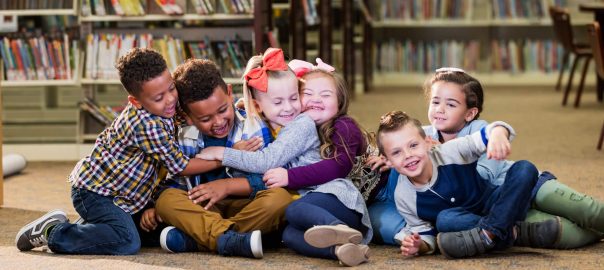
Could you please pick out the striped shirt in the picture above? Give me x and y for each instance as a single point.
(127, 156)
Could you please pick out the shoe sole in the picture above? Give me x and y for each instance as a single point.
(323, 236)
(352, 254)
(31, 224)
(256, 244)
(163, 236)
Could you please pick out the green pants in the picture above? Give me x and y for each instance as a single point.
(582, 216)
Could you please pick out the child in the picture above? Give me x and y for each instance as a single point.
(116, 180)
(215, 226)
(325, 99)
(444, 178)
(456, 101)
(277, 99)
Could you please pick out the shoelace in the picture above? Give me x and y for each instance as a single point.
(39, 241)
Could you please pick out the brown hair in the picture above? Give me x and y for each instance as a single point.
(469, 85)
(138, 66)
(394, 121)
(326, 130)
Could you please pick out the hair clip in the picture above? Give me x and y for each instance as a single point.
(450, 69)
(301, 67)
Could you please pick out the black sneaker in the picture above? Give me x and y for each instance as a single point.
(544, 234)
(176, 241)
(33, 235)
(232, 243)
(463, 244)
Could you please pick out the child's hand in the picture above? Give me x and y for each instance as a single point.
(377, 162)
(211, 153)
(212, 192)
(499, 147)
(251, 145)
(411, 245)
(432, 141)
(275, 178)
(149, 220)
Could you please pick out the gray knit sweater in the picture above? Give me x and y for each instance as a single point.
(297, 145)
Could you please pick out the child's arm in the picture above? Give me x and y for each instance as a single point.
(295, 139)
(347, 139)
(406, 203)
(413, 245)
(494, 139)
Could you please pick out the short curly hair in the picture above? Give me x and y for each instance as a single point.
(196, 79)
(138, 66)
(394, 121)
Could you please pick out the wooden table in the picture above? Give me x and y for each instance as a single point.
(598, 9)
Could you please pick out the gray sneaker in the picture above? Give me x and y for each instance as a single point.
(544, 234)
(462, 244)
(352, 254)
(33, 235)
(323, 236)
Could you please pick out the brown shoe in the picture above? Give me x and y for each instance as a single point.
(323, 236)
(352, 254)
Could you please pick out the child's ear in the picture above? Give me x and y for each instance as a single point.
(471, 113)
(134, 102)
(388, 163)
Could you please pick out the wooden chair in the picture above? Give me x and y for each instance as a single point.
(564, 33)
(597, 45)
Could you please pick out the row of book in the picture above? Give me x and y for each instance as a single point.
(170, 7)
(38, 58)
(103, 50)
(35, 4)
(526, 55)
(511, 9)
(505, 55)
(422, 9)
(426, 56)
(102, 113)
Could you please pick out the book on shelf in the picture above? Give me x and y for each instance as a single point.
(38, 58)
(169, 7)
(423, 10)
(35, 4)
(525, 55)
(103, 113)
(426, 56)
(103, 50)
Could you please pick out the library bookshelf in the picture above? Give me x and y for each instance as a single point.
(503, 43)
(53, 105)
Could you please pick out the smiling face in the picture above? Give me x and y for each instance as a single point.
(281, 103)
(319, 97)
(448, 111)
(215, 115)
(407, 152)
(158, 96)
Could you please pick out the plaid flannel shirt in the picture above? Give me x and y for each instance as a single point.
(127, 157)
(191, 142)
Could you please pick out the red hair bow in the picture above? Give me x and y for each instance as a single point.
(271, 60)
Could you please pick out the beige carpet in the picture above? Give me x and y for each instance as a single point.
(559, 139)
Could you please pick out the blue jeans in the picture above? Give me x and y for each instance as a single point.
(385, 218)
(506, 205)
(109, 229)
(386, 222)
(317, 209)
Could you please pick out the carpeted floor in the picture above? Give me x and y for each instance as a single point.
(559, 139)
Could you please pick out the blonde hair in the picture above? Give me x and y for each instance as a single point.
(248, 91)
(326, 130)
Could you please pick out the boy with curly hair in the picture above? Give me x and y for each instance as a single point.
(117, 179)
(220, 210)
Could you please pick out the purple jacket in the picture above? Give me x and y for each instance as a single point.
(349, 143)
